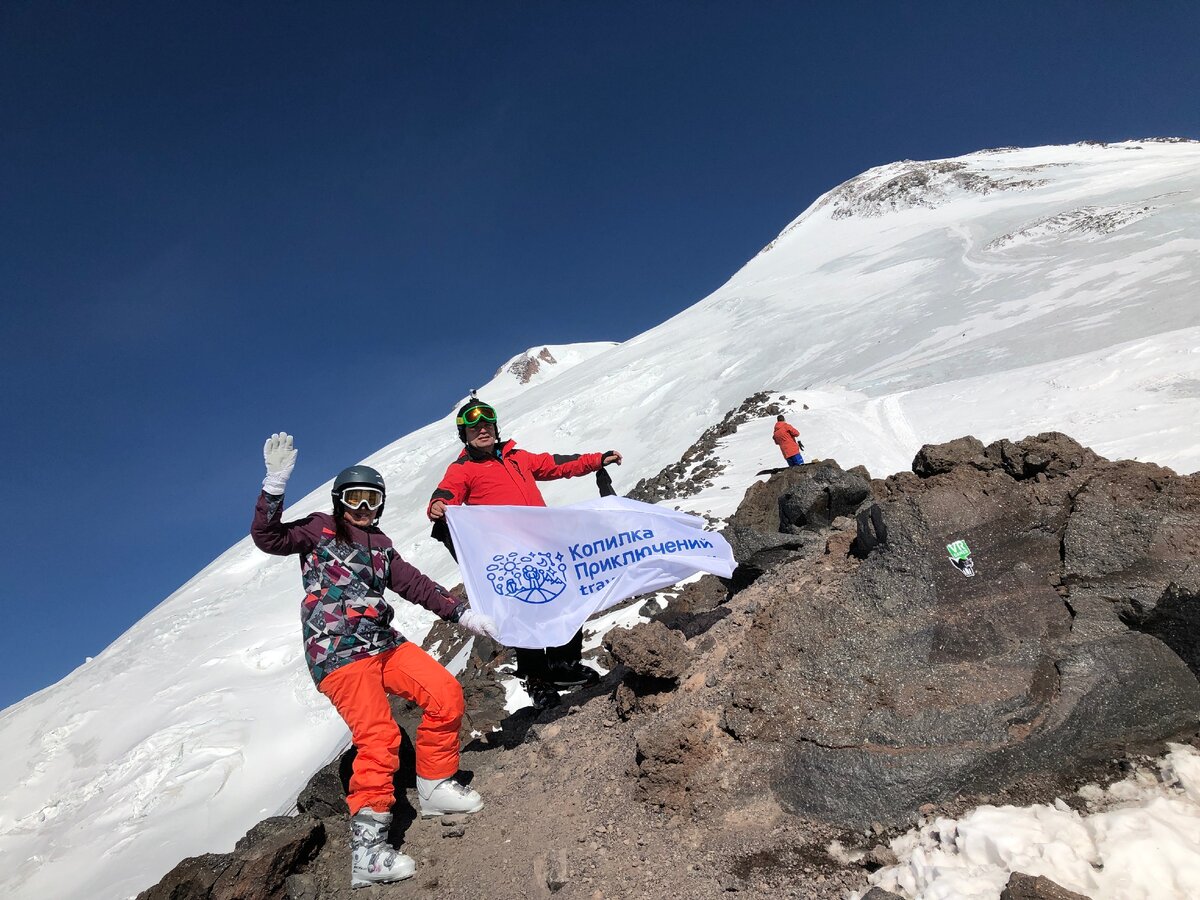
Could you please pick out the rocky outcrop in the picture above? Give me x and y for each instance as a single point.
(911, 184)
(528, 364)
(1028, 887)
(257, 869)
(876, 685)
(786, 517)
(698, 466)
(655, 659)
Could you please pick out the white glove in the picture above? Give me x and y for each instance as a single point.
(280, 457)
(478, 623)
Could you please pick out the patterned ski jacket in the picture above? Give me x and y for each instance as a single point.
(508, 477)
(785, 436)
(344, 614)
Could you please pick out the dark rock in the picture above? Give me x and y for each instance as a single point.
(751, 547)
(878, 893)
(870, 531)
(650, 608)
(1131, 540)
(257, 869)
(653, 658)
(551, 871)
(759, 509)
(325, 794)
(1051, 454)
(779, 520)
(758, 553)
(191, 879)
(822, 494)
(1175, 620)
(302, 887)
(938, 459)
(650, 649)
(697, 608)
(1129, 544)
(895, 682)
(1028, 887)
(813, 495)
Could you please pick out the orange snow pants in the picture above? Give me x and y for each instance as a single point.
(359, 692)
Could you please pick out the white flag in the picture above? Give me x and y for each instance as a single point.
(539, 572)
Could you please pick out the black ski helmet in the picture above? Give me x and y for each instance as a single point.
(471, 404)
(357, 476)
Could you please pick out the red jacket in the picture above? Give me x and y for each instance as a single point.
(508, 480)
(785, 436)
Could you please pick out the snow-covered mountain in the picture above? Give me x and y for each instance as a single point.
(1000, 294)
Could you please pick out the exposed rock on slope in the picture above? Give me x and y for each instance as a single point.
(910, 184)
(898, 681)
(525, 366)
(764, 735)
(698, 466)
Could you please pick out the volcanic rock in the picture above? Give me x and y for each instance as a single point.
(257, 869)
(897, 681)
(1027, 887)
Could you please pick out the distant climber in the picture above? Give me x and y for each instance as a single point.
(788, 439)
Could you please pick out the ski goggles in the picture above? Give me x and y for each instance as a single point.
(358, 497)
(477, 414)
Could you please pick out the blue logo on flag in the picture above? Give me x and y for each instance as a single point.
(533, 577)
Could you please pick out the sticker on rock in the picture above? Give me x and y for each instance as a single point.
(960, 558)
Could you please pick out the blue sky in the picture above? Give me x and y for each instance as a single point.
(222, 219)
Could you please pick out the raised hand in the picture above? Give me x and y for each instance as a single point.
(279, 454)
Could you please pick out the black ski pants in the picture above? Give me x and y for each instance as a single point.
(534, 663)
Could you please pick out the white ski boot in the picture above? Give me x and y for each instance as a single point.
(372, 859)
(445, 796)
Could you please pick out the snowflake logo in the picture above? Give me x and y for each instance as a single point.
(532, 577)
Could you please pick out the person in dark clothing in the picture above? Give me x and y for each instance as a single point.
(491, 472)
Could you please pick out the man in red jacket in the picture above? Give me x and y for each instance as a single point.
(491, 473)
(787, 438)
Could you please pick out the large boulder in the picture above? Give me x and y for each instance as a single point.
(784, 518)
(938, 459)
(894, 681)
(257, 869)
(649, 649)
(826, 494)
(1049, 454)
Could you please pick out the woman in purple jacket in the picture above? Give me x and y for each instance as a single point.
(356, 658)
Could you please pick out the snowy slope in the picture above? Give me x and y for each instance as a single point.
(999, 294)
